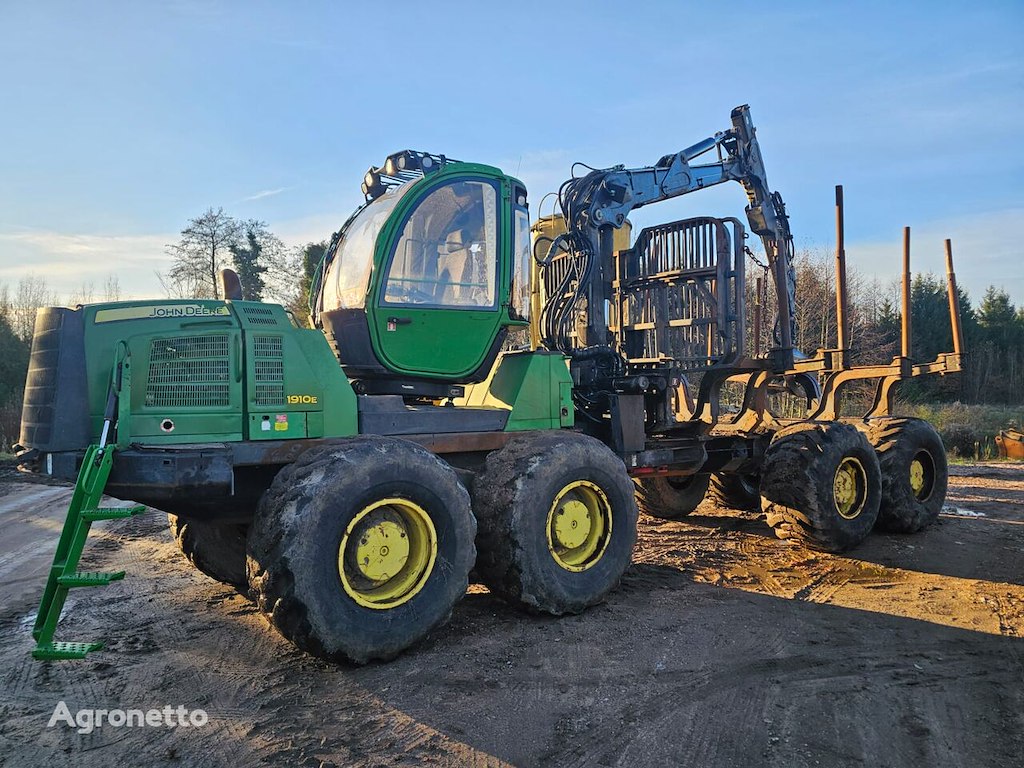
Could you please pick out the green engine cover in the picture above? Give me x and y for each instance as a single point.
(215, 371)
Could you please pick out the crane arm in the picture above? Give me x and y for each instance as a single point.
(600, 200)
(612, 193)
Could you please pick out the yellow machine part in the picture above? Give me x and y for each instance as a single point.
(543, 232)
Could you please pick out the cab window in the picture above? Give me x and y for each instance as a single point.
(447, 253)
(521, 267)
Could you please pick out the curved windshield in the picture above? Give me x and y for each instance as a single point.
(348, 275)
(447, 254)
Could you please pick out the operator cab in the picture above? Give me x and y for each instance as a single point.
(418, 289)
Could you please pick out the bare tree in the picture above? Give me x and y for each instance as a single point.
(111, 288)
(85, 294)
(6, 308)
(198, 256)
(32, 294)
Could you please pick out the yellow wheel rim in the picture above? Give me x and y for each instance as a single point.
(850, 488)
(579, 525)
(387, 553)
(922, 475)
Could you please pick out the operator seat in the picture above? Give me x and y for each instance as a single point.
(454, 268)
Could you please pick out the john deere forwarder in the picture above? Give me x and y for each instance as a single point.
(354, 500)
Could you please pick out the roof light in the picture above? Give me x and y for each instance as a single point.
(372, 186)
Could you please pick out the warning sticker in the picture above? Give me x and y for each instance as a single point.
(281, 422)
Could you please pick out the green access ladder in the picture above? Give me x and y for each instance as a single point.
(64, 576)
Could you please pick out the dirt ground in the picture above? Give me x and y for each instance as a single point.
(724, 646)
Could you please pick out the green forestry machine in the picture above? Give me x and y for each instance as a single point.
(478, 396)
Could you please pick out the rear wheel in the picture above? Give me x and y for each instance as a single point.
(218, 550)
(736, 491)
(821, 485)
(362, 548)
(670, 498)
(914, 473)
(557, 521)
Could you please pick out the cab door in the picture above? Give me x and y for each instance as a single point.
(439, 301)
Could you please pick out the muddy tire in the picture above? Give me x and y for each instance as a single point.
(735, 491)
(557, 521)
(914, 470)
(821, 485)
(670, 498)
(360, 549)
(218, 550)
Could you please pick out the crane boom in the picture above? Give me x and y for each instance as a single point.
(600, 201)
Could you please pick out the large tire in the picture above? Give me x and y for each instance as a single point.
(360, 549)
(915, 473)
(736, 491)
(821, 485)
(670, 498)
(218, 550)
(557, 521)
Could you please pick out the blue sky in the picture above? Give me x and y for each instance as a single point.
(122, 120)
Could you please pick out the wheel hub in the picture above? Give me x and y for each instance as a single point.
(922, 475)
(579, 525)
(916, 476)
(850, 488)
(572, 524)
(387, 553)
(382, 551)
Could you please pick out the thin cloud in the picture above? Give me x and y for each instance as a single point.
(265, 193)
(68, 260)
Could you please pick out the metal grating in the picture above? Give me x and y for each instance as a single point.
(267, 346)
(269, 394)
(189, 347)
(268, 368)
(189, 372)
(259, 315)
(187, 395)
(678, 296)
(185, 371)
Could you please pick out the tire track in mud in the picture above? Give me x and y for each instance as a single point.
(754, 563)
(672, 670)
(172, 633)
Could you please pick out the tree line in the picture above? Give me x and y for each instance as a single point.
(271, 271)
(993, 329)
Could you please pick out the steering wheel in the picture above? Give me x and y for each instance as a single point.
(409, 294)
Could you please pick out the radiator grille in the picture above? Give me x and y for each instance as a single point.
(187, 395)
(268, 365)
(189, 348)
(189, 372)
(267, 346)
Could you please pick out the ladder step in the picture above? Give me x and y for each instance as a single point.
(62, 650)
(89, 579)
(111, 513)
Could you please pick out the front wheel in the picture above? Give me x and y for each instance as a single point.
(821, 485)
(557, 521)
(360, 549)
